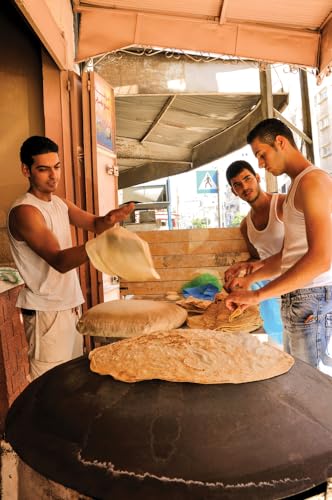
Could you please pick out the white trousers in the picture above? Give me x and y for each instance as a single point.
(52, 339)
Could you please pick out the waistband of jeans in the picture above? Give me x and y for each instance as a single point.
(326, 291)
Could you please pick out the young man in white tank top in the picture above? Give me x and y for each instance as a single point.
(40, 240)
(263, 232)
(302, 271)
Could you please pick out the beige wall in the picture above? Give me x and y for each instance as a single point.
(62, 14)
(21, 100)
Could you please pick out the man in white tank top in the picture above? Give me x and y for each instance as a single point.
(40, 240)
(263, 232)
(302, 271)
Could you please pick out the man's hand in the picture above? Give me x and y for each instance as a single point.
(237, 283)
(235, 270)
(253, 266)
(242, 299)
(118, 214)
(240, 269)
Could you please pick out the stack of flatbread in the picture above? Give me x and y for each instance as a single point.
(128, 318)
(218, 317)
(192, 304)
(198, 356)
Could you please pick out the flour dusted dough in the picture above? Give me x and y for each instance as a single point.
(123, 253)
(127, 318)
(198, 356)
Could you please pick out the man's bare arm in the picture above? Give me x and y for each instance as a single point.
(89, 222)
(251, 249)
(242, 267)
(266, 269)
(26, 223)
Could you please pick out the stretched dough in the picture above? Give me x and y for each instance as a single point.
(123, 253)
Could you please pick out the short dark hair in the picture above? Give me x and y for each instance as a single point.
(36, 145)
(267, 131)
(236, 167)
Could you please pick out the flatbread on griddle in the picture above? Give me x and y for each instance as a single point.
(198, 356)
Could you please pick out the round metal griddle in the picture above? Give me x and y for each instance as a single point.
(161, 440)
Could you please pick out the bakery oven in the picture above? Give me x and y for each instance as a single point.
(107, 439)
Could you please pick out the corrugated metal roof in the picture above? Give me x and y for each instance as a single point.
(160, 131)
(188, 122)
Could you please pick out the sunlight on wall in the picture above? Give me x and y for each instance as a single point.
(176, 85)
(239, 80)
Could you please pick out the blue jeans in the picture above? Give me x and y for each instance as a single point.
(307, 319)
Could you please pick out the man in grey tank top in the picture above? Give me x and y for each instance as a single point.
(302, 271)
(40, 239)
(263, 232)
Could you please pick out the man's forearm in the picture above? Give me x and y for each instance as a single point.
(101, 224)
(298, 276)
(113, 217)
(267, 269)
(68, 259)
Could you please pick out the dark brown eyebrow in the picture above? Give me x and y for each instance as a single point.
(49, 166)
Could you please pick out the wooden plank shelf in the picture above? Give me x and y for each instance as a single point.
(180, 254)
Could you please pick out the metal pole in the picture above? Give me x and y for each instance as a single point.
(220, 218)
(267, 111)
(307, 128)
(169, 207)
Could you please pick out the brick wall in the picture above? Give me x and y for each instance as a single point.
(14, 365)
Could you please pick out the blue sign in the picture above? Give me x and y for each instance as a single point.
(207, 181)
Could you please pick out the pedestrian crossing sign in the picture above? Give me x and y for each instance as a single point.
(207, 181)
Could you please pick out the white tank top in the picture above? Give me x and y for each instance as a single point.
(45, 288)
(269, 240)
(296, 244)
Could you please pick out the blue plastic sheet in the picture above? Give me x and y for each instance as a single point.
(271, 315)
(206, 292)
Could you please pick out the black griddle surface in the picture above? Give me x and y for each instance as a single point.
(159, 440)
